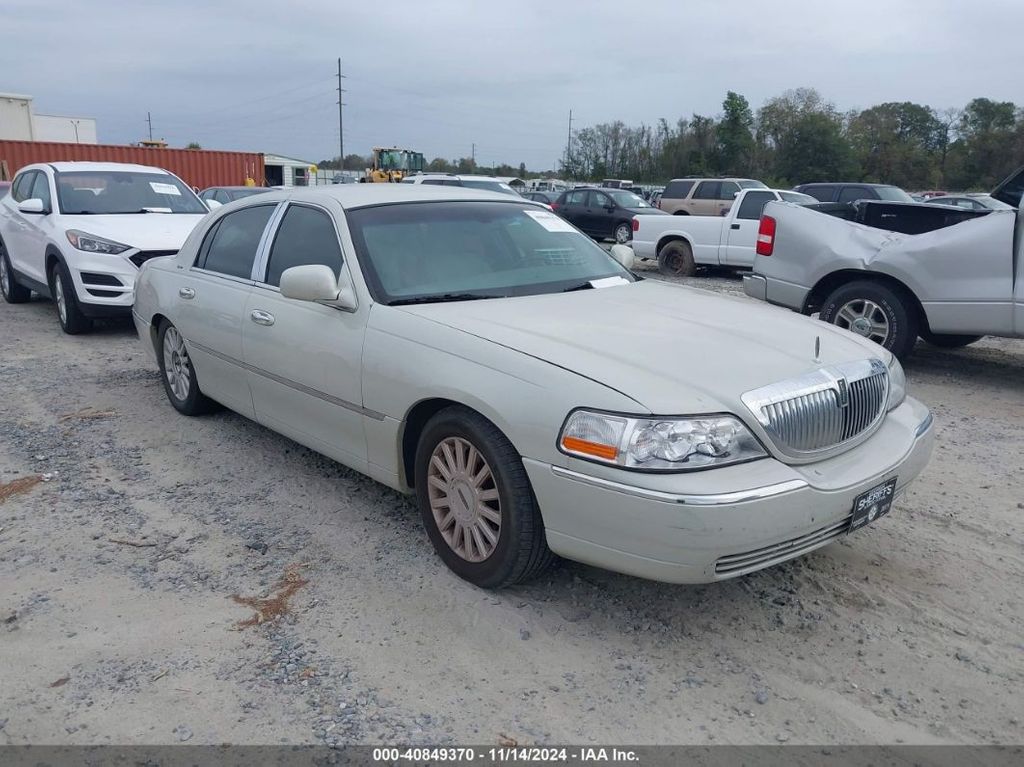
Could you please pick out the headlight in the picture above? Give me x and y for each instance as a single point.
(658, 444)
(897, 385)
(90, 243)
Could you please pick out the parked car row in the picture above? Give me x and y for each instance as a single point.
(481, 353)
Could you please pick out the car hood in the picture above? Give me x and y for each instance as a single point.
(673, 350)
(145, 231)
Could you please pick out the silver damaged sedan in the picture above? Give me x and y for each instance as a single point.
(537, 397)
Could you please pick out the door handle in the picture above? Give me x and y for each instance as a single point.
(734, 226)
(261, 317)
(187, 292)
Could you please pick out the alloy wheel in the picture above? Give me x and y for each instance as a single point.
(622, 234)
(464, 499)
(58, 295)
(865, 318)
(177, 366)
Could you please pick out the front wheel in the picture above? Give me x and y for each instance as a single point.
(623, 233)
(476, 501)
(875, 311)
(72, 320)
(948, 340)
(178, 374)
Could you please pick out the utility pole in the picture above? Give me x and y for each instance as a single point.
(149, 119)
(341, 125)
(472, 154)
(568, 145)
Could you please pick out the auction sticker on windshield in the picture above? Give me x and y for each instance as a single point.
(549, 221)
(875, 503)
(165, 188)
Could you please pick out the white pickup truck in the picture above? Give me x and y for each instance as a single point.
(894, 272)
(682, 243)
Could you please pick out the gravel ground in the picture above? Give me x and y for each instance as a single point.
(127, 579)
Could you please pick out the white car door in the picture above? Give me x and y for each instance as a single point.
(304, 359)
(210, 303)
(18, 229)
(741, 234)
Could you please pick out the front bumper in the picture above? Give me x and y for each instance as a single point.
(103, 282)
(712, 525)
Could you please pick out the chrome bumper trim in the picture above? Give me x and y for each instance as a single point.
(925, 425)
(715, 499)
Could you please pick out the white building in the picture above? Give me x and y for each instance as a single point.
(19, 122)
(286, 171)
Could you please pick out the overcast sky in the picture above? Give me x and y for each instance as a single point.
(440, 75)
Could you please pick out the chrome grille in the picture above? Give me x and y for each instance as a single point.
(749, 561)
(824, 411)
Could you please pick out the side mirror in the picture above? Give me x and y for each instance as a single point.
(317, 283)
(213, 204)
(35, 206)
(610, 208)
(623, 254)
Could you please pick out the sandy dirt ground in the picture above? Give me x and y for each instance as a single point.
(120, 578)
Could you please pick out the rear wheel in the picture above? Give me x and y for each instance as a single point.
(676, 259)
(178, 375)
(947, 340)
(72, 320)
(875, 311)
(476, 501)
(13, 292)
(623, 232)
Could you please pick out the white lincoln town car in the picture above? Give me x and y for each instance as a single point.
(537, 397)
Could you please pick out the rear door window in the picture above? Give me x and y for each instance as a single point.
(599, 200)
(752, 205)
(306, 236)
(854, 193)
(230, 247)
(576, 198)
(822, 192)
(677, 190)
(708, 190)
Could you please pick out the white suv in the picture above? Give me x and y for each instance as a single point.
(77, 232)
(487, 183)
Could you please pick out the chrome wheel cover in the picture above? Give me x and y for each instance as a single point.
(177, 366)
(622, 234)
(865, 318)
(464, 499)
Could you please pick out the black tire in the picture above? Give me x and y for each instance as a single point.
(521, 551)
(189, 400)
(894, 305)
(948, 340)
(13, 292)
(72, 320)
(625, 229)
(676, 259)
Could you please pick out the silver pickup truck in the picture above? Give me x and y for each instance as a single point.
(893, 272)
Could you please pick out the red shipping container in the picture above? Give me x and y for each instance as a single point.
(196, 167)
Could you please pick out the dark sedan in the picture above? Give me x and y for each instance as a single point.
(603, 213)
(226, 194)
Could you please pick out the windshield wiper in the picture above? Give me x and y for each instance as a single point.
(440, 298)
(582, 286)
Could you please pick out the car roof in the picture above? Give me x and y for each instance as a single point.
(843, 183)
(109, 167)
(351, 196)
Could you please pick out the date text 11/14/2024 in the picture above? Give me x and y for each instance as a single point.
(500, 754)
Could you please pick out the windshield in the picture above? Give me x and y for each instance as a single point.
(238, 194)
(626, 199)
(112, 192)
(490, 186)
(421, 252)
(797, 197)
(893, 194)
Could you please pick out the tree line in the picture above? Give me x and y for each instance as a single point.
(437, 165)
(799, 137)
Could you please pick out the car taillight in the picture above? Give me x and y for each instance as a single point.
(766, 236)
(554, 206)
(636, 225)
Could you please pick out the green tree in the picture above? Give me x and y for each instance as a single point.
(355, 162)
(193, 145)
(735, 136)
